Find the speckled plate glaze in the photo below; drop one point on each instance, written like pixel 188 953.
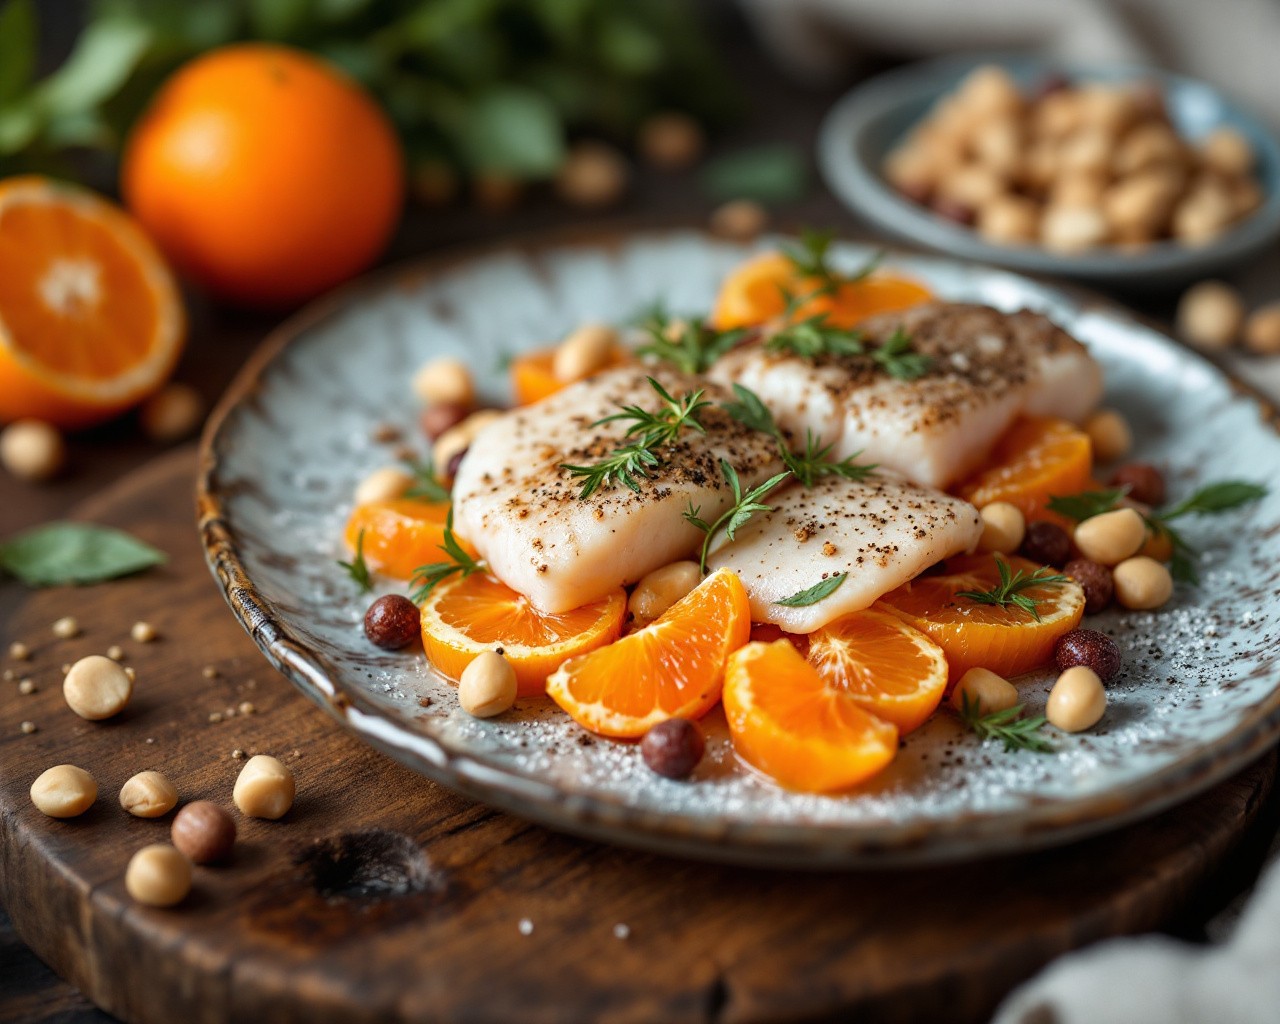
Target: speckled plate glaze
pixel 1198 698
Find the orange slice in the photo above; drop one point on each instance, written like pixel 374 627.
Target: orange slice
pixel 884 665
pixel 400 535
pixel 1037 458
pixel 802 730
pixel 91 321
pixel 533 379
pixel 1004 639
pixel 753 294
pixel 673 668
pixel 463 618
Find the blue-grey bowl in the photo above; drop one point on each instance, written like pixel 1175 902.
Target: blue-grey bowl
pixel 866 124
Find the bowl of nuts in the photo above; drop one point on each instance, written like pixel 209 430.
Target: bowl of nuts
pixel 1129 175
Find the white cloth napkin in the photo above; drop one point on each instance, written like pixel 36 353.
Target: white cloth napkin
pixel 1231 43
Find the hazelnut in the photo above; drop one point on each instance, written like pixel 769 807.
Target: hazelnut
pixel 392 622
pixel 584 351
pixel 1109 434
pixel 1046 543
pixel 670 140
pixel 172 414
pixel 1003 527
pixel 436 419
pixel 739 219
pixel 97 688
pixel 985 691
pixel 1142 583
pixel 158 876
pixel 593 175
pixel 204 832
pixel 487 686
pixel 673 748
pixel 148 795
pixel 63 791
pixel 1111 537
pixel 659 590
pixel 1143 481
pixel 1210 315
pixel 1262 330
pixel 445 381
pixel 1095 580
pixel 454 442
pixel 1077 700
pixel 1090 648
pixel 32 450
pixel 264 788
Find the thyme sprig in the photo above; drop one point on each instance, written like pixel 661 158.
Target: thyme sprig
pixel 691 346
pixel 898 359
pixel 358 568
pixel 427 577
pixel 813 337
pixel 1009 591
pixel 652 431
pixel 1008 726
pixel 811 259
pixel 745 505
pixel 426 485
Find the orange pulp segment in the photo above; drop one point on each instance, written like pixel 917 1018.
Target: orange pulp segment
pixel 400 535
pixel 1005 639
pixel 673 668
pixel 91 321
pixel 885 666
pixel 462 618
pixel 533 377
pixel 799 728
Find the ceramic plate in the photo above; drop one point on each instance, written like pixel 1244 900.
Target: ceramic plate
pixel 1197 699
pixel 863 126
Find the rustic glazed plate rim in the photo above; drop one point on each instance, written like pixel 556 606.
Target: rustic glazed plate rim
pixel 608 819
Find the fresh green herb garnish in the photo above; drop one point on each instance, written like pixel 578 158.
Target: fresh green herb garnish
pixel 688 345
pixel 743 508
pixel 810 259
pixel 1008 726
pixel 816 593
pixel 358 568
pixel 61 553
pixel 651 430
pixel 1009 590
pixel 1087 504
pixel 814 337
pixel 426 485
pixel 897 358
pixel 427 577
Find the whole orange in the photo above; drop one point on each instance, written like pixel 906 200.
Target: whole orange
pixel 265 174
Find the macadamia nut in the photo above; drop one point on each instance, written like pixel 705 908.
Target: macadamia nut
pixel 1142 583
pixel 739 219
pixel 1210 315
pixel 384 484
pixel 670 140
pixel 1003 527
pixel 264 788
pixel 1109 434
pixel 158 876
pixel 444 381
pixel 97 688
pixel 1077 700
pixel 454 442
pixel 1111 537
pixel 659 590
pixel 487 686
pixel 64 791
pixel 148 795
pixel 593 175
pixel 585 351
pixel 32 450
pixel 985 691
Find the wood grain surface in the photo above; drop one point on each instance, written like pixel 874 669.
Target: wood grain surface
pixel 382 897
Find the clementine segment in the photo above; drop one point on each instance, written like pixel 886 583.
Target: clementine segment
pixel 1037 458
pixel 265 173
pixel 805 731
pixel 1005 639
pixel 673 668
pixel 400 535
pixel 887 667
pixel 462 618
pixel 91 321
pixel 533 379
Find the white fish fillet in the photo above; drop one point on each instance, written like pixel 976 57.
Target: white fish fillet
pixel 987 367
pixel 882 531
pixel 523 513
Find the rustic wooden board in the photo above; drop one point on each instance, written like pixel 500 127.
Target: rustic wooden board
pixel 279 935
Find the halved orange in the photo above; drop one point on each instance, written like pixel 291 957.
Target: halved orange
pixel 1037 458
pixel 1005 639
pixel 463 618
pixel 802 730
pixel 91 321
pixel 753 294
pixel 533 379
pixel 886 666
pixel 400 535
pixel 673 668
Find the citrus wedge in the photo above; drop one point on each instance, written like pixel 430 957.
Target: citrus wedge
pixel 462 618
pixel 674 667
pixel 885 666
pixel 533 377
pixel 1006 639
pixel 91 321
pixel 805 732
pixel 400 535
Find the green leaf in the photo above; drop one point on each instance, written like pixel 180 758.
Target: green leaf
pixel 1218 497
pixel 279 19
pixel 106 54
pixel 513 130
pixel 815 593
pixel 628 47
pixel 17 48
pixel 358 568
pixel 66 552
pixel 768 174
pixel 1087 504
pixel 19 124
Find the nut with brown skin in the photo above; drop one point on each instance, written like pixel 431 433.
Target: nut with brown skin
pixel 1144 481
pixel 392 622
pixel 438 418
pixel 204 831
pixel 1090 648
pixel 1046 543
pixel 673 748
pixel 1095 580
